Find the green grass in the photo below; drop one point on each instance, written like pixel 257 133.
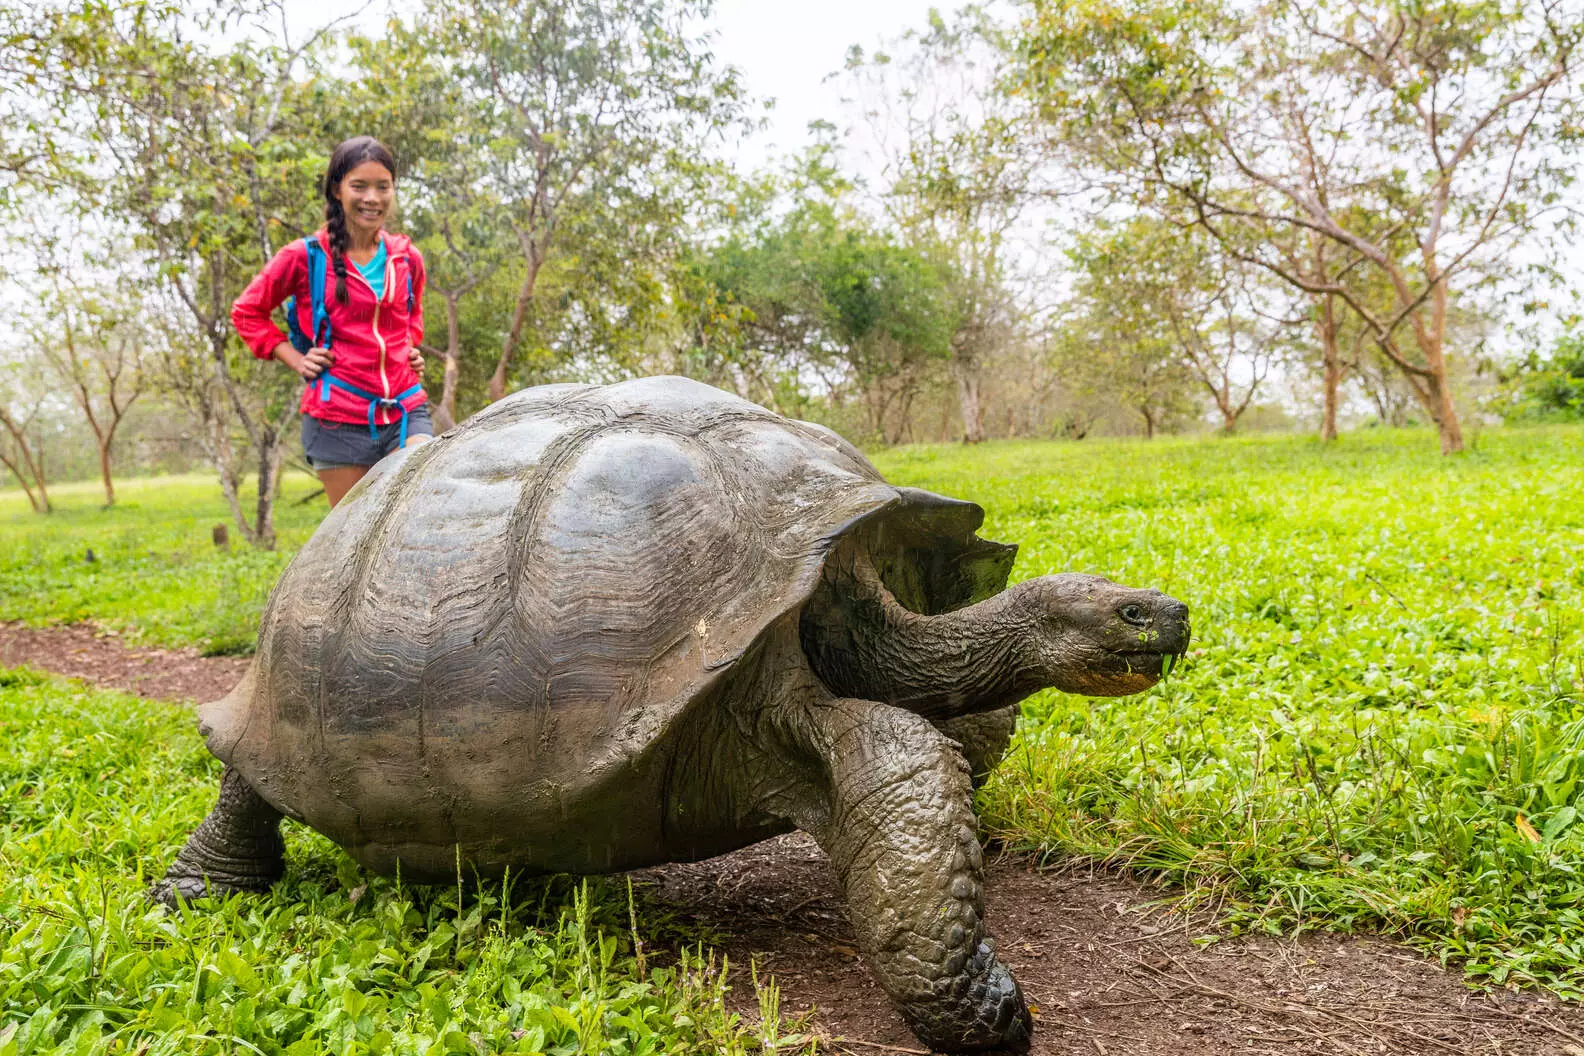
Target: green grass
pixel 155 573
pixel 97 792
pixel 1381 723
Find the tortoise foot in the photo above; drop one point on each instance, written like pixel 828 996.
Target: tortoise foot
pixel 182 884
pixel 984 1013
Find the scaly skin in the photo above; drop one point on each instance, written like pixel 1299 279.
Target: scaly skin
pixel 892 805
pixel 984 736
pixel 236 849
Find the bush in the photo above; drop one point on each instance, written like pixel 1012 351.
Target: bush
pixel 1548 388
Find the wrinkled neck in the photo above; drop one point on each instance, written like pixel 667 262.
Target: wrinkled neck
pixel 973 659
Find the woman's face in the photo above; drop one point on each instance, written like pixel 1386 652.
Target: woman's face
pixel 366 194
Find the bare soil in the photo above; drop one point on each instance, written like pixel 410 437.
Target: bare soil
pixel 1109 967
pixel 81 650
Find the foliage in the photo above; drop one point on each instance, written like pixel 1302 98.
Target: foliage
pixel 97 792
pixel 198 155
pixel 815 287
pixel 1380 721
pixel 595 120
pixel 956 162
pixel 1550 387
pixel 1345 147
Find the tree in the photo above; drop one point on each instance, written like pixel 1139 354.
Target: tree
pixel 207 155
pixel 812 286
pixel 1550 386
pixel 596 109
pixel 22 398
pixel 1420 142
pixel 953 154
pixel 1211 309
pixel 1118 341
pixel 95 347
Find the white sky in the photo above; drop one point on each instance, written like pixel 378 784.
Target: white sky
pixel 786 50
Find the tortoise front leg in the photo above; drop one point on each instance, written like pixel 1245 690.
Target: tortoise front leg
pixel 237 848
pixel 890 800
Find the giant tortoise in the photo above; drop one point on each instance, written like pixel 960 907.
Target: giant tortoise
pixel 597 628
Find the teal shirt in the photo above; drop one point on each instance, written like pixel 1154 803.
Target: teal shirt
pixel 374 271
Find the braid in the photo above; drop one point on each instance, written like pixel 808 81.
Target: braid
pixel 335 224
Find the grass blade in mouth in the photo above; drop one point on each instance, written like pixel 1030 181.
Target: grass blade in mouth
pixel 1168 661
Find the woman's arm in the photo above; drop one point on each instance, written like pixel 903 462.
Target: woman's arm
pixel 250 314
pixel 415 325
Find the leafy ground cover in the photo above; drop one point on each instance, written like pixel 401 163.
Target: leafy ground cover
pixel 155 572
pixel 97 792
pixel 1380 724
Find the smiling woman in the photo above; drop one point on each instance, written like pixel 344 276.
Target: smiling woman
pixel 372 403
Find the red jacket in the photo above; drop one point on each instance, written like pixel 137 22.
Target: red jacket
pixel 371 340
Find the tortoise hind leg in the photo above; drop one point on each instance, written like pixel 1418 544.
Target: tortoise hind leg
pixel 894 810
pixel 984 736
pixel 237 848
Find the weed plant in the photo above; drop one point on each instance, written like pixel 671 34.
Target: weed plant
pixel 98 791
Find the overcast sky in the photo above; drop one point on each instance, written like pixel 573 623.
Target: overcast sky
pixel 786 50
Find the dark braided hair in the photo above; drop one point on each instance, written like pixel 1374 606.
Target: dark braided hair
pixel 347 156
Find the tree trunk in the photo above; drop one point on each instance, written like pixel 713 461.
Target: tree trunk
pixel 32 462
pixel 1445 413
pixel 33 500
pixel 104 471
pixel 519 320
pixel 966 368
pixel 1149 422
pixel 446 416
pixel 1331 360
pixel 269 459
pixel 1431 385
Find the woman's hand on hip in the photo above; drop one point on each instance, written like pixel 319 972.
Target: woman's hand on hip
pixel 309 366
pixel 415 360
pixel 316 362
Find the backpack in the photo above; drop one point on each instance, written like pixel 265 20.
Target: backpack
pixel 317 267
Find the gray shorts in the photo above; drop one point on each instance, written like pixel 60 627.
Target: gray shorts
pixel 334 445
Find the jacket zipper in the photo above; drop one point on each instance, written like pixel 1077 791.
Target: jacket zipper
pixel 379 338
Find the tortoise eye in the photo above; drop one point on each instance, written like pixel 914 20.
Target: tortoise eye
pixel 1132 614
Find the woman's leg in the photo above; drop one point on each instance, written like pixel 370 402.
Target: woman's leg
pixel 338 480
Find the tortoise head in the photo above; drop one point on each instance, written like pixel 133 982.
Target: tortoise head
pixel 1092 636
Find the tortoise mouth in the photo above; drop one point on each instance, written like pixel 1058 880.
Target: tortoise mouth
pixel 1123 673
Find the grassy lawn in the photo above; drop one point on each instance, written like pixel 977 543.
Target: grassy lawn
pixel 97 792
pixel 155 573
pixel 1380 725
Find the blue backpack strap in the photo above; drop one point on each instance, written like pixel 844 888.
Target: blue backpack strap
pixel 317 266
pixel 316 292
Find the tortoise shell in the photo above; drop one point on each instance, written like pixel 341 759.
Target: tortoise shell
pixel 487 651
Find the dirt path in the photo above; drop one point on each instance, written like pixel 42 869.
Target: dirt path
pixel 1107 974
pixel 82 651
